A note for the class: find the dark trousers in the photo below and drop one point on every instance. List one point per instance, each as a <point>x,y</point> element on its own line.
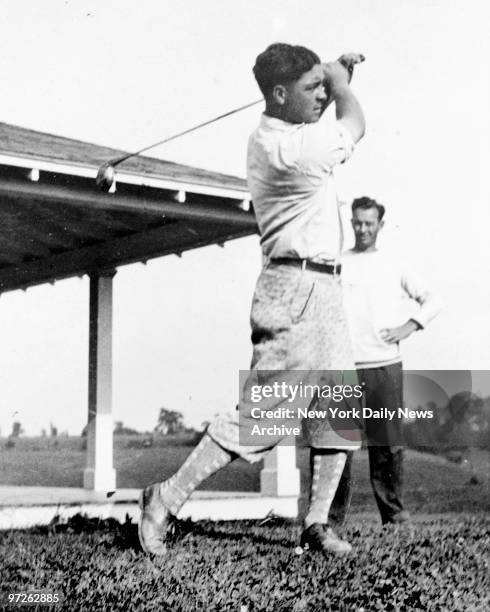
<point>383,388</point>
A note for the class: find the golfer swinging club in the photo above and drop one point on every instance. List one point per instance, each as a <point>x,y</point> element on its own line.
<point>298,323</point>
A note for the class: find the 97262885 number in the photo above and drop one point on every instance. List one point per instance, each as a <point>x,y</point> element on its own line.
<point>30,598</point>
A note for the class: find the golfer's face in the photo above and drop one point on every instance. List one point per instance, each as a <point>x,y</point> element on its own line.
<point>306,97</point>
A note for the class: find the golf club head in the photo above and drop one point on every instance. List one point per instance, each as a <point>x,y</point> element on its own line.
<point>106,177</point>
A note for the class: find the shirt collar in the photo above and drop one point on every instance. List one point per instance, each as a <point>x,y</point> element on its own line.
<point>273,123</point>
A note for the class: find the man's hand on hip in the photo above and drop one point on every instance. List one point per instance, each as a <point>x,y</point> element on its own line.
<point>392,335</point>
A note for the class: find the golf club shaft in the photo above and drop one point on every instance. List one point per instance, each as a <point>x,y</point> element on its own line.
<point>119,160</point>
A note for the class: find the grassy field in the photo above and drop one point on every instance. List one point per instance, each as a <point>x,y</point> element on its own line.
<point>39,462</point>
<point>429,480</point>
<point>438,563</point>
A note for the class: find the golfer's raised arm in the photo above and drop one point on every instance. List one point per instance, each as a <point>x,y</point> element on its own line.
<point>347,108</point>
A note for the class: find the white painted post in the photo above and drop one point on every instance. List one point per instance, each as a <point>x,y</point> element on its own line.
<point>100,474</point>
<point>280,476</point>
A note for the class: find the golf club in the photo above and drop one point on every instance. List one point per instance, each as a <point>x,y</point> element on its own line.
<point>106,174</point>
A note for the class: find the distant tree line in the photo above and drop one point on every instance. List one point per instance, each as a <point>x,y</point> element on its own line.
<point>464,422</point>
<point>169,422</point>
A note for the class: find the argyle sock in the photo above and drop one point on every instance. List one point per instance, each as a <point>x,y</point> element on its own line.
<point>327,467</point>
<point>206,459</point>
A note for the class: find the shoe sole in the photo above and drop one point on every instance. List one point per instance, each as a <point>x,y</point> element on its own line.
<point>312,549</point>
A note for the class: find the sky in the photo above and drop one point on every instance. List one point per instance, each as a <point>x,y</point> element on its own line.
<point>126,74</point>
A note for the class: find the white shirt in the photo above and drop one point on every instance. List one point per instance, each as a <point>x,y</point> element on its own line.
<point>290,178</point>
<point>376,287</point>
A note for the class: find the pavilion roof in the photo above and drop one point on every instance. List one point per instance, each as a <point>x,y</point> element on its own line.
<point>54,223</point>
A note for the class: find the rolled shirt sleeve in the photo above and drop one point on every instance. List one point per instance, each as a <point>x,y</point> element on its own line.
<point>430,304</point>
<point>323,146</point>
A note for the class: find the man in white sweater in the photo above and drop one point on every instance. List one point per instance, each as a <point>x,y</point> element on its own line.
<point>374,285</point>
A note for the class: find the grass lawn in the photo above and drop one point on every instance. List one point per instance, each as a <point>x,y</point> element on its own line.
<point>438,563</point>
<point>38,462</point>
<point>431,482</point>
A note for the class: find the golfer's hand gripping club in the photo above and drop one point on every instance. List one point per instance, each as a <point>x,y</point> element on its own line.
<point>336,72</point>
<point>349,60</point>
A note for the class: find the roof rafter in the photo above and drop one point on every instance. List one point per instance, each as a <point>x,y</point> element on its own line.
<point>163,240</point>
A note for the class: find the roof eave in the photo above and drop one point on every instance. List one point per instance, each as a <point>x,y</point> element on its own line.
<point>157,181</point>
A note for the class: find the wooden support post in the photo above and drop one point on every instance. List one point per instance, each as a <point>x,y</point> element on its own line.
<point>100,474</point>
<point>280,476</point>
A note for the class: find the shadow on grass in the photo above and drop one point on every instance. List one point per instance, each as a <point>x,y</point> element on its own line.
<point>237,531</point>
<point>124,536</point>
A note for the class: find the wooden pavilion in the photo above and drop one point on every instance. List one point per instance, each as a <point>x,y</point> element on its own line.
<point>55,224</point>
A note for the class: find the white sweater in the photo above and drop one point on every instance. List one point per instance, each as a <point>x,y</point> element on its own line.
<point>376,287</point>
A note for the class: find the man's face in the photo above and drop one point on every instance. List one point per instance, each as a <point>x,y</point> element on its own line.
<point>304,99</point>
<point>366,225</point>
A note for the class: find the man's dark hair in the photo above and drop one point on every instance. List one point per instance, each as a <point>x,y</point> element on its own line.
<point>281,64</point>
<point>366,203</point>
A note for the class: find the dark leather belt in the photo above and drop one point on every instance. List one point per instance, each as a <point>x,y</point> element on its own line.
<point>308,265</point>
